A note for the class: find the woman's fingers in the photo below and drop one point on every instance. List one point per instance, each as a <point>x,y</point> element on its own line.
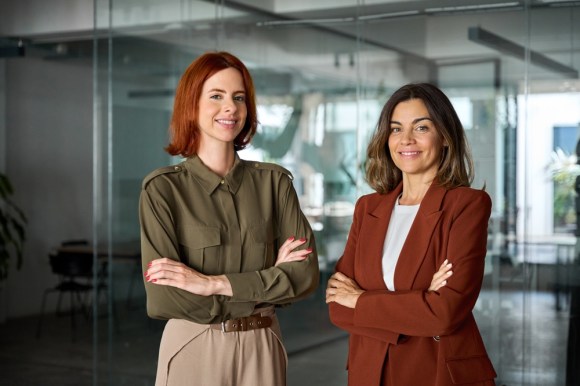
<point>443,270</point>
<point>339,276</point>
<point>293,256</point>
<point>347,297</point>
<point>288,253</point>
<point>342,282</point>
<point>342,290</point>
<point>291,243</point>
<point>164,268</point>
<point>440,277</point>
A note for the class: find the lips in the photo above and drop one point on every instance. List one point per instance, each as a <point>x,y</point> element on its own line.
<point>228,124</point>
<point>226,121</point>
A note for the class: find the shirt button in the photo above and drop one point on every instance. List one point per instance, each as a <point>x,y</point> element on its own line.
<point>177,168</point>
<point>257,165</point>
<point>222,182</point>
<point>436,338</point>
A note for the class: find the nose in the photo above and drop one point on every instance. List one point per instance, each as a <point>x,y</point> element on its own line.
<point>230,105</point>
<point>408,137</point>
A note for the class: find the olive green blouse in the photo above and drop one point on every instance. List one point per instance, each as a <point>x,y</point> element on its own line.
<point>232,225</point>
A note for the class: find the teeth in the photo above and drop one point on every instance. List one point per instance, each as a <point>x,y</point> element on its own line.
<point>409,152</point>
<point>226,122</point>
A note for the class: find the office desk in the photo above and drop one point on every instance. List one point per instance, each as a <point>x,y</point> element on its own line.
<point>562,257</point>
<point>107,257</point>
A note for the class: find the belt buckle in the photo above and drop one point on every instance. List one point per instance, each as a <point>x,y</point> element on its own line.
<point>233,326</point>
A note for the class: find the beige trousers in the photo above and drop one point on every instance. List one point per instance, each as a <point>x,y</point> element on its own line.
<point>194,354</point>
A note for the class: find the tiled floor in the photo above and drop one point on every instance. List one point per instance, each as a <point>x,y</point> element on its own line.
<point>528,351</point>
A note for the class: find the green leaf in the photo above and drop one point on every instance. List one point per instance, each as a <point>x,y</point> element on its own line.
<point>5,186</point>
<point>12,228</point>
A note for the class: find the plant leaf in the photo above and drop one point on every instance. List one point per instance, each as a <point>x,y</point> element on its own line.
<point>5,186</point>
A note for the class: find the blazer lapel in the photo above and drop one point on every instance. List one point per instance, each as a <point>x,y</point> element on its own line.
<point>377,219</point>
<point>419,238</point>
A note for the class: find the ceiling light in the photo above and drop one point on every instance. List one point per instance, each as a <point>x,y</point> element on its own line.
<point>476,7</point>
<point>388,15</point>
<point>304,21</point>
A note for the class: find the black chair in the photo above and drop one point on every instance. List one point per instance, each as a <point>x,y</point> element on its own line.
<point>74,268</point>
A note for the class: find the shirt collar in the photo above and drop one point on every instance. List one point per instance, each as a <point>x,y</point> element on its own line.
<point>210,181</point>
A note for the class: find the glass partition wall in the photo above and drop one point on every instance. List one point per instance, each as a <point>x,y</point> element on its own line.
<point>323,71</point>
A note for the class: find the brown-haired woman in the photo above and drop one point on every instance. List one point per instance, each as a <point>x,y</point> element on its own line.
<point>223,240</point>
<point>409,322</point>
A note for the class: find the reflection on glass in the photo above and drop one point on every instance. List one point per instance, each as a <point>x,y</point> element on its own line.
<point>320,84</point>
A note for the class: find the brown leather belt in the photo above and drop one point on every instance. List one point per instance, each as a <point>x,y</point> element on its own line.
<point>246,323</point>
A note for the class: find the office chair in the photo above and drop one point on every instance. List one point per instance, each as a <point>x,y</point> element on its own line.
<point>74,269</point>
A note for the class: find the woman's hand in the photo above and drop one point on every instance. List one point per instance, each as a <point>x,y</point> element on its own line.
<point>440,278</point>
<point>343,290</point>
<point>176,274</point>
<point>287,252</point>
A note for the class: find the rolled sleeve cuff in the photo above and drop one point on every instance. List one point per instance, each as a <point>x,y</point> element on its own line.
<point>246,286</point>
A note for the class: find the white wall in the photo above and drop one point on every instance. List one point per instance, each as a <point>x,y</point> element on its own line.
<point>49,157</point>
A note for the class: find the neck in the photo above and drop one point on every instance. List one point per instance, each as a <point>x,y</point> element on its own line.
<point>414,189</point>
<point>220,160</point>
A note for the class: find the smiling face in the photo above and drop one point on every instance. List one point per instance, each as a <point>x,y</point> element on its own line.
<point>222,108</point>
<point>415,144</point>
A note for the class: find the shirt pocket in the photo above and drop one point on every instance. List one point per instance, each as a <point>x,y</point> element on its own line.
<point>264,237</point>
<point>201,248</point>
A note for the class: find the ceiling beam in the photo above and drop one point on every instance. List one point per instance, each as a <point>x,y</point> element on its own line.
<point>350,36</point>
<point>507,47</point>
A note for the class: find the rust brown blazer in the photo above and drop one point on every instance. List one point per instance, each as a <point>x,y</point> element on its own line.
<point>418,338</point>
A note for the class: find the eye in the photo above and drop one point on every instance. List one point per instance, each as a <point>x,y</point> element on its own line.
<point>422,128</point>
<point>395,129</point>
<point>240,98</point>
<point>216,96</point>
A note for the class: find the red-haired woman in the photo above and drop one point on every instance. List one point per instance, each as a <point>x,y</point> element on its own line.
<point>223,240</point>
<point>423,217</point>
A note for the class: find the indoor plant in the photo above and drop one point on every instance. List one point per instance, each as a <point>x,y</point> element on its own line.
<point>564,169</point>
<point>12,228</point>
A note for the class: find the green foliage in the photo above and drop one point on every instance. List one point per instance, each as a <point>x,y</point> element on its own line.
<point>564,169</point>
<point>12,228</point>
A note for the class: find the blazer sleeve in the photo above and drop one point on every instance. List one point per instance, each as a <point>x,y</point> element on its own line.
<point>344,317</point>
<point>422,313</point>
<point>287,282</point>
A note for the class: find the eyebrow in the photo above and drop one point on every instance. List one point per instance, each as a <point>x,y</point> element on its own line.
<point>225,92</point>
<point>415,120</point>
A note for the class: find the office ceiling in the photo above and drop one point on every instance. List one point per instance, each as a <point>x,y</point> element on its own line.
<point>315,43</point>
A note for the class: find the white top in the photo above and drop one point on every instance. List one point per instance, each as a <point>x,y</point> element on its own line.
<point>399,226</point>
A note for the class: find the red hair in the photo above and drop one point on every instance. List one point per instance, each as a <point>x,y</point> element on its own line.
<point>184,128</point>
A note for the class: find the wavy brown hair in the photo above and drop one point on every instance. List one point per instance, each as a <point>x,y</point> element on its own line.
<point>184,127</point>
<point>456,166</point>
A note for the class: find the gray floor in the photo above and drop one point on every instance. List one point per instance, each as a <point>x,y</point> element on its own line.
<point>526,351</point>
<point>317,355</point>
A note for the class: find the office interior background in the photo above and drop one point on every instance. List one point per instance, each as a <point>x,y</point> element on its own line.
<point>86,92</point>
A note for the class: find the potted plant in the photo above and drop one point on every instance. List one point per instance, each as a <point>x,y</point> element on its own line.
<point>12,229</point>
<point>564,169</point>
